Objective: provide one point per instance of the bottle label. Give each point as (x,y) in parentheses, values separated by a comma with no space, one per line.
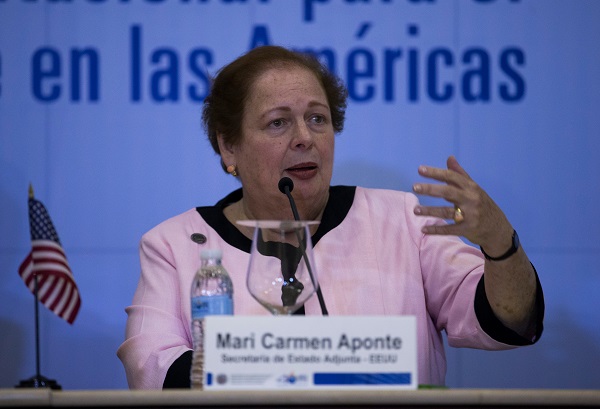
(212,305)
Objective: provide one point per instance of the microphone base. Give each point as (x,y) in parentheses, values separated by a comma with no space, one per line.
(39,381)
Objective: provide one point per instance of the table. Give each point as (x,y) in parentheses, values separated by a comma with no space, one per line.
(437,398)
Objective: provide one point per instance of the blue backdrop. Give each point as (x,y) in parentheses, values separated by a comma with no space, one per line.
(100,110)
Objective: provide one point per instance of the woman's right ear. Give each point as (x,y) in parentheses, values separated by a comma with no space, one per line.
(226,149)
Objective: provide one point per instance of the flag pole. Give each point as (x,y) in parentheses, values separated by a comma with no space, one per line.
(37,327)
(37,381)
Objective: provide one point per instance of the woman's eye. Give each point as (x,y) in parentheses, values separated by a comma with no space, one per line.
(319,119)
(277,123)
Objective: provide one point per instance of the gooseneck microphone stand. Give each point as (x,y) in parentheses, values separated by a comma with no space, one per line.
(285,186)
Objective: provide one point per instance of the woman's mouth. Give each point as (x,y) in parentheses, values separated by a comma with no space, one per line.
(303,170)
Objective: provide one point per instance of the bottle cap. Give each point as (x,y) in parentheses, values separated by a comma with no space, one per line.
(211,253)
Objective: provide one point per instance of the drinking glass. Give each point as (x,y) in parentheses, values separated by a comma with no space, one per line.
(281,271)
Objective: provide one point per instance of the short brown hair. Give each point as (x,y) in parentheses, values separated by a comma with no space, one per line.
(224,106)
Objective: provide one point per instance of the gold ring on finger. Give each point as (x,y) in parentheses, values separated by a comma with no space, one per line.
(459,216)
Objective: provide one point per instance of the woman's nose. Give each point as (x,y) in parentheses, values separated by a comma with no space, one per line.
(303,136)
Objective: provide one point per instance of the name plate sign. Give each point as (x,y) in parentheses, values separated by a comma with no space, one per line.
(300,352)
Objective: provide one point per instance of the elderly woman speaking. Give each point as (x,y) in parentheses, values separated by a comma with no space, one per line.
(274,113)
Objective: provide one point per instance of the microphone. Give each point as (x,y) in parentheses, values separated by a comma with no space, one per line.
(286,185)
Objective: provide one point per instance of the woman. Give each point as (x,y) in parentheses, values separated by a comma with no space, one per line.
(273,113)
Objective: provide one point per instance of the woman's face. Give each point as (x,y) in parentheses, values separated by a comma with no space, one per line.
(286,131)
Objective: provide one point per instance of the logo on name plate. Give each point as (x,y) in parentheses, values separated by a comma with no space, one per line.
(292,379)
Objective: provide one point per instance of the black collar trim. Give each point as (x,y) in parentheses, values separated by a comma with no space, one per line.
(339,204)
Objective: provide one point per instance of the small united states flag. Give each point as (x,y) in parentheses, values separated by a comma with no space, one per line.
(57,289)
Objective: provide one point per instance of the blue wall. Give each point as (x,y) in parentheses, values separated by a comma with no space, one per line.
(100,111)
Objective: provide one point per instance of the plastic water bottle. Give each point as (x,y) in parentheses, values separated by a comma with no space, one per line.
(211,294)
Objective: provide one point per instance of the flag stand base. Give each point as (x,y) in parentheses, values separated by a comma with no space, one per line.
(39,381)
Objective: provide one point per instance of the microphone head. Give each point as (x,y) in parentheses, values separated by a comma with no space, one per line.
(285,182)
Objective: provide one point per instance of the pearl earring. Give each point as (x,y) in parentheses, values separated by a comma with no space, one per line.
(231,170)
